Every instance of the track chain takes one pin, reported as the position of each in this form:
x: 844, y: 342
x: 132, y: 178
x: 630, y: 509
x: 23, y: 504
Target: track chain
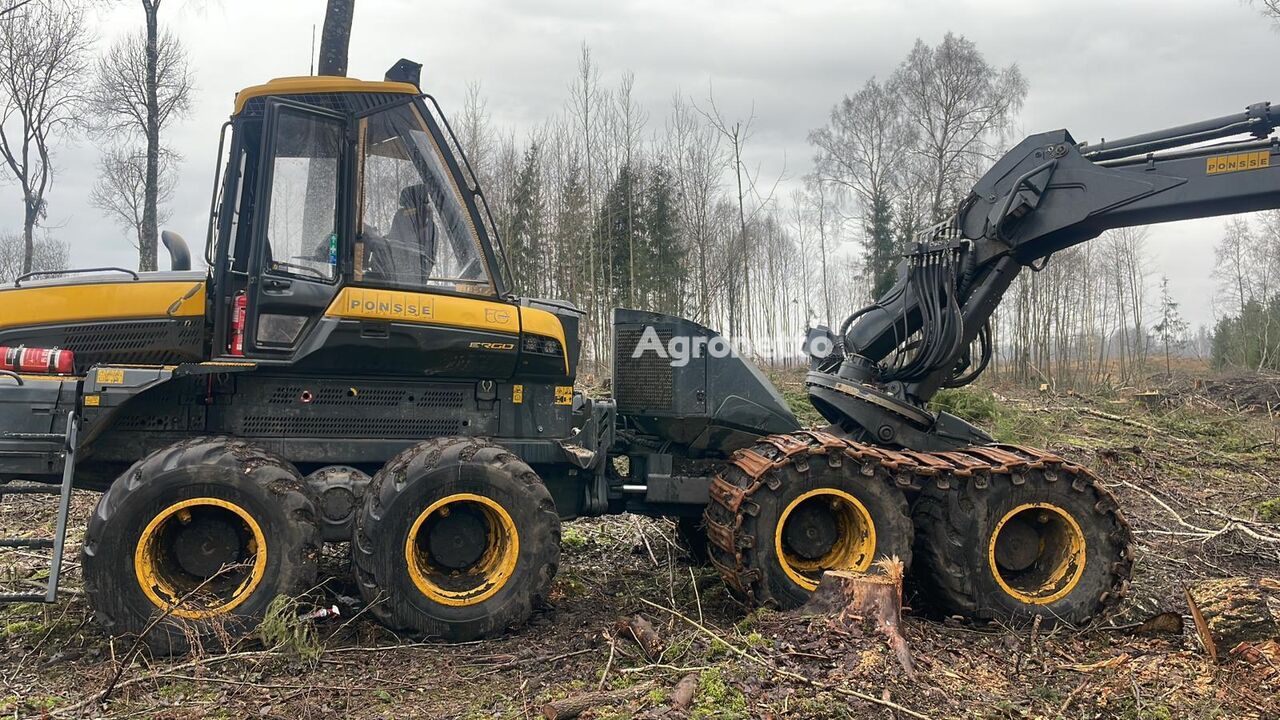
x: 749, y: 469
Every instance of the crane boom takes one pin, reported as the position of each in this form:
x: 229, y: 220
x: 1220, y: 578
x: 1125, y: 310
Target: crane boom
x: 874, y: 374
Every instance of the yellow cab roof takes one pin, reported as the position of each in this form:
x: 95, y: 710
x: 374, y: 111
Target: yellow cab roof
x: 319, y: 84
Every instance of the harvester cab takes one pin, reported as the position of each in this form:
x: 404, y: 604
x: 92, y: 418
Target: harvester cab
x: 345, y: 207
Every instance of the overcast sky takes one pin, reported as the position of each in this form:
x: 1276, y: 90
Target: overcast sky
x: 1097, y: 68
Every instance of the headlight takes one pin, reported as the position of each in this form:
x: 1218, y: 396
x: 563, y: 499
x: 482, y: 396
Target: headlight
x: 540, y: 345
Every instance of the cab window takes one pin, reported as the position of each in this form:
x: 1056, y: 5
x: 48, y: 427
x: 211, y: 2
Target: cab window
x: 302, y: 237
x: 415, y: 232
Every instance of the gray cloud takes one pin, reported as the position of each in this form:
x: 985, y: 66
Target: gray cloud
x: 1097, y: 68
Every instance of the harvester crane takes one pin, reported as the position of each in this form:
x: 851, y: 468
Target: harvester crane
x: 1047, y: 194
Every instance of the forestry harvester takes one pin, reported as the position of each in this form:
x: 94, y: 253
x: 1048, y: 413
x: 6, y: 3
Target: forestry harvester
x: 352, y: 366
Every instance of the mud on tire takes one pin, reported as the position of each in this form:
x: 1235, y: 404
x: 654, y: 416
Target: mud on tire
x: 171, y: 501
x: 782, y: 479
x: 1010, y: 546
x: 415, y: 571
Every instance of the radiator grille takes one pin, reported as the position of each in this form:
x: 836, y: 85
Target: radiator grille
x: 349, y: 427
x: 140, y: 341
x: 369, y: 397
x: 642, y: 383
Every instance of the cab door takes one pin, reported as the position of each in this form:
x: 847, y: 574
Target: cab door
x: 295, y: 270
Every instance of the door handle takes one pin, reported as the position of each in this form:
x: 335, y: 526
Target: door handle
x: 276, y: 285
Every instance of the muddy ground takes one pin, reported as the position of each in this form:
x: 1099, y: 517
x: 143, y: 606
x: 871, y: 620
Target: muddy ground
x: 1185, y: 466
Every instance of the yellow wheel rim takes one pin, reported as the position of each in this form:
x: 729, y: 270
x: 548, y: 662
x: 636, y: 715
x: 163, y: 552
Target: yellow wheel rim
x: 852, y: 548
x: 470, y: 582
x: 173, y: 561
x: 1037, y: 553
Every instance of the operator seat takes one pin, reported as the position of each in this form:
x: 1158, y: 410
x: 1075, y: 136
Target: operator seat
x: 410, y: 245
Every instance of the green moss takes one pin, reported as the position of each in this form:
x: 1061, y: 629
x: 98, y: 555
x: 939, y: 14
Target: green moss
x: 571, y: 538
x: 717, y: 699
x: 43, y: 703
x: 176, y: 689
x: 1004, y: 421
x: 22, y: 628
x: 1269, y: 511
x: 719, y: 649
x: 753, y: 619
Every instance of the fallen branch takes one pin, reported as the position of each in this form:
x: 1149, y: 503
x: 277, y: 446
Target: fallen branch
x: 787, y: 673
x: 575, y: 706
x: 1115, y: 418
x: 641, y: 631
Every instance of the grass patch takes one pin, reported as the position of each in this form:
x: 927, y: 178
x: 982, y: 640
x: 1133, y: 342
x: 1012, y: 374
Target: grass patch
x: 1269, y: 511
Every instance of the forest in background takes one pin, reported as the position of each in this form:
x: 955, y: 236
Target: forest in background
x: 606, y: 205
x: 610, y: 203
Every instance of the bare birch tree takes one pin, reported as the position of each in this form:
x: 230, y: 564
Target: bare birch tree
x: 44, y: 49
x: 121, y: 190
x: 861, y: 149
x: 49, y: 255
x: 960, y: 105
x: 141, y: 84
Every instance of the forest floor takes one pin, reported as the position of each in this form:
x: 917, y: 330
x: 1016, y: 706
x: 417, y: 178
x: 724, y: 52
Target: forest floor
x: 1197, y: 470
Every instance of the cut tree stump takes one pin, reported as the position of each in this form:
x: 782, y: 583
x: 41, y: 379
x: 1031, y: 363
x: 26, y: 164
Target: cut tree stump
x: 852, y: 599
x: 1229, y: 611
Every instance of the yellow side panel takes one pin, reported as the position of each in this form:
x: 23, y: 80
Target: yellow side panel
x: 400, y: 306
x: 54, y: 304
x: 541, y: 322
x: 427, y: 309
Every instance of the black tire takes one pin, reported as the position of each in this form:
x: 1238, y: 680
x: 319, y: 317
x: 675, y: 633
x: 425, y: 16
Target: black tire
x: 754, y: 570
x: 954, y: 547
x: 401, y: 494
x: 232, y: 472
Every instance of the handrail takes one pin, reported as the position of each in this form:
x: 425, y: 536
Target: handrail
x: 14, y: 375
x: 38, y: 273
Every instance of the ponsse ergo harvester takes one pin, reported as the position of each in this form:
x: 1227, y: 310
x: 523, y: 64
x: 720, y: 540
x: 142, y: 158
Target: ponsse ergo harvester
x: 353, y: 367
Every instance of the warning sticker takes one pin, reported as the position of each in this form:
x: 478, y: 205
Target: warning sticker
x: 110, y: 376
